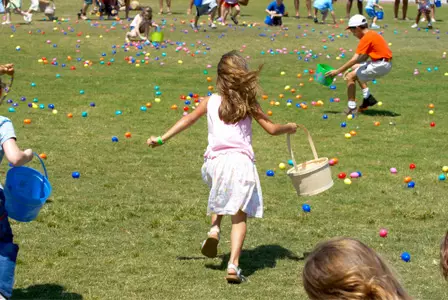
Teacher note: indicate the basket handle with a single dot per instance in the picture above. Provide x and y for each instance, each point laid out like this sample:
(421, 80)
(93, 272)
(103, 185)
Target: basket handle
(310, 140)
(42, 163)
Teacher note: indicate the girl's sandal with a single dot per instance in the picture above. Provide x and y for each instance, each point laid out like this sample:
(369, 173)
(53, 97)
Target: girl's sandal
(237, 277)
(210, 245)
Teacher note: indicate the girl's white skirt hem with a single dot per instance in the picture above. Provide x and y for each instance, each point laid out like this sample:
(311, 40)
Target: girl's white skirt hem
(234, 185)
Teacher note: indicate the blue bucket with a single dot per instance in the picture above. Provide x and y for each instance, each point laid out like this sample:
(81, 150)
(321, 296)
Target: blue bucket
(438, 3)
(26, 191)
(380, 15)
(268, 21)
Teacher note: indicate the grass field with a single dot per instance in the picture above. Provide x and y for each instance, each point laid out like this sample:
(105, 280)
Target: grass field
(131, 226)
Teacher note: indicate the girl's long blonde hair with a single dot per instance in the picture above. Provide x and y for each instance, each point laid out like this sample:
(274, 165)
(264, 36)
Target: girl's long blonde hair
(346, 269)
(238, 87)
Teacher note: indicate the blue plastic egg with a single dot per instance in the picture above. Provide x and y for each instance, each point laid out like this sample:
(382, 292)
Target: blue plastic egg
(76, 175)
(270, 173)
(405, 257)
(306, 208)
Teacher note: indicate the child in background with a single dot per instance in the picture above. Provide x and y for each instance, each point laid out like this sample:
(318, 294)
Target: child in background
(190, 7)
(226, 8)
(15, 6)
(46, 6)
(276, 10)
(424, 8)
(229, 168)
(140, 26)
(83, 13)
(344, 268)
(205, 7)
(324, 6)
(168, 7)
(371, 12)
(9, 149)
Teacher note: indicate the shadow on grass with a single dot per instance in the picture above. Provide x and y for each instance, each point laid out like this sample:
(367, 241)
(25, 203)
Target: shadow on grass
(381, 113)
(44, 291)
(262, 257)
(369, 112)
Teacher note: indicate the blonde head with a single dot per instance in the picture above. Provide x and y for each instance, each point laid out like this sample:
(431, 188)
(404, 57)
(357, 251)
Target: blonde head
(346, 269)
(238, 87)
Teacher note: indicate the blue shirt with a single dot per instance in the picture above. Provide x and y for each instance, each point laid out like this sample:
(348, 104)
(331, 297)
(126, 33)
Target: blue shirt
(323, 5)
(370, 4)
(279, 9)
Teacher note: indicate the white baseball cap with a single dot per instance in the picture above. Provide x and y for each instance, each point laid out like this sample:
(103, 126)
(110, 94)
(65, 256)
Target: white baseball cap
(356, 20)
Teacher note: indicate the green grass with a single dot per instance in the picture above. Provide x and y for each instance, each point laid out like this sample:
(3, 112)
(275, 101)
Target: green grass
(119, 230)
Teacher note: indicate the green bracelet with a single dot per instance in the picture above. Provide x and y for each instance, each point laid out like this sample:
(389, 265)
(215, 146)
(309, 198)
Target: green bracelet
(159, 140)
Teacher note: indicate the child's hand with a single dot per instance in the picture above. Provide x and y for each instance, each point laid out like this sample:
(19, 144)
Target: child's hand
(331, 73)
(7, 69)
(380, 7)
(292, 127)
(153, 142)
(155, 25)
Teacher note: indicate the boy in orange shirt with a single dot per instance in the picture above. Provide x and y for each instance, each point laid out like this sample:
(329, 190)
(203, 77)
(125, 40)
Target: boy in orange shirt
(372, 45)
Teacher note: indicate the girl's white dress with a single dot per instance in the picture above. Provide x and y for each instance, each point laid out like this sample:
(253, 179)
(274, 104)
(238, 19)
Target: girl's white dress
(229, 168)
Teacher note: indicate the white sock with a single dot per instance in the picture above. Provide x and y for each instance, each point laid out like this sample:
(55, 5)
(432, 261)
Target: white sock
(351, 104)
(365, 93)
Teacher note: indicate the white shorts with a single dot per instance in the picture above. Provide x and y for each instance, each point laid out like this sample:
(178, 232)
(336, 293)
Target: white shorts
(34, 5)
(371, 70)
(206, 8)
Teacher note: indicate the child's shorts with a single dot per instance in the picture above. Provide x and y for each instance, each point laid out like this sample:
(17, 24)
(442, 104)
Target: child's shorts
(88, 2)
(424, 8)
(34, 5)
(206, 8)
(371, 70)
(231, 4)
(370, 12)
(13, 4)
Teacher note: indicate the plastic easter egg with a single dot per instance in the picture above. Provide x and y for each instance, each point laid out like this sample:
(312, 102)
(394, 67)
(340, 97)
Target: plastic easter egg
(343, 124)
(128, 135)
(354, 175)
(407, 179)
(412, 166)
(114, 139)
(270, 173)
(350, 117)
(406, 257)
(442, 177)
(342, 175)
(76, 175)
(282, 166)
(306, 208)
(445, 169)
(393, 170)
(290, 162)
(118, 112)
(348, 135)
(379, 103)
(84, 114)
(383, 233)
(411, 184)
(347, 181)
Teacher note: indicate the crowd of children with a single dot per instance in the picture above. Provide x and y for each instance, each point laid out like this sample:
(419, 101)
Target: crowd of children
(341, 268)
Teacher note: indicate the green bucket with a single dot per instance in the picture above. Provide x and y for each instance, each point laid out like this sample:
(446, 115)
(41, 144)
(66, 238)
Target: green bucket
(157, 36)
(320, 74)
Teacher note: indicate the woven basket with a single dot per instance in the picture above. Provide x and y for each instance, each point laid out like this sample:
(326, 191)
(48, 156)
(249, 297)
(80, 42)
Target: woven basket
(312, 177)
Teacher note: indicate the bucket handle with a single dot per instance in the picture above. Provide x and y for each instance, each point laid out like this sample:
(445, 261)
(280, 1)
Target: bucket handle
(310, 140)
(42, 163)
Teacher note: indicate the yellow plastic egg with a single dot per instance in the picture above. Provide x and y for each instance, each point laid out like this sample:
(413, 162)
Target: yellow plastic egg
(282, 166)
(347, 181)
(348, 135)
(157, 100)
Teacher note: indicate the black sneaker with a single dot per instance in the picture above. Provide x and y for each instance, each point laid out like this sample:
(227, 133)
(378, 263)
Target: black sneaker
(315, 20)
(369, 101)
(234, 20)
